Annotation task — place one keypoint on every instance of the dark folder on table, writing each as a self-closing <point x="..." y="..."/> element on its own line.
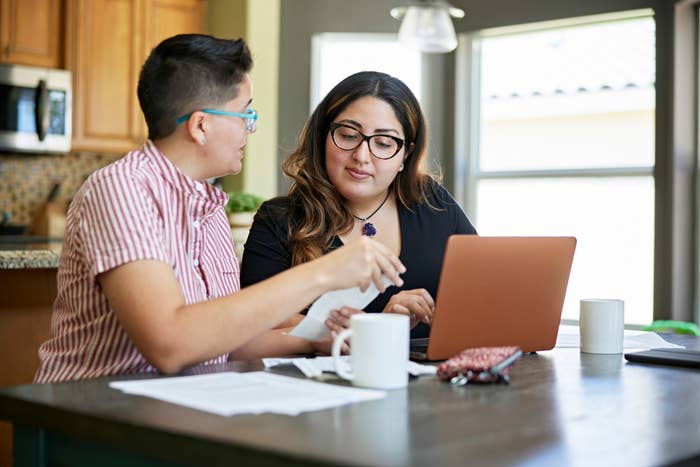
<point x="498" y="291"/>
<point x="674" y="357"/>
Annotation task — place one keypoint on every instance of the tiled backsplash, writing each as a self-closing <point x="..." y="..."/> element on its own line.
<point x="25" y="180"/>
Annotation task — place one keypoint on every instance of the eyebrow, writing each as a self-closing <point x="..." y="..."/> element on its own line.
<point x="359" y="126"/>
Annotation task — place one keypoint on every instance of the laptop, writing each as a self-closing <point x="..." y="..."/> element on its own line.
<point x="498" y="291"/>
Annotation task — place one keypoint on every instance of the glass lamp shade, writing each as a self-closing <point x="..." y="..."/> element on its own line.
<point x="428" y="29"/>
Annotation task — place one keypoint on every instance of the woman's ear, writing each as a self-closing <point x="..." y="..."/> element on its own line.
<point x="409" y="150"/>
<point x="407" y="153"/>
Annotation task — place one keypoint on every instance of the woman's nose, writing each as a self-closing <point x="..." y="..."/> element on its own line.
<point x="362" y="152"/>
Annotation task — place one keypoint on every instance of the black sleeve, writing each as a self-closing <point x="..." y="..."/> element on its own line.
<point x="266" y="251"/>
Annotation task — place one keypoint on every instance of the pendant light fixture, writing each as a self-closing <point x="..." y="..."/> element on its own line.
<point x="427" y="25"/>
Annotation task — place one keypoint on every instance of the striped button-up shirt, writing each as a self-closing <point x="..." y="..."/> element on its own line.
<point x="139" y="208"/>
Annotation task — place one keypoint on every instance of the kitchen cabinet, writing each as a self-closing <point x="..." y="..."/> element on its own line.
<point x="26" y="305"/>
<point x="31" y="32"/>
<point x="165" y="18"/>
<point x="107" y="42"/>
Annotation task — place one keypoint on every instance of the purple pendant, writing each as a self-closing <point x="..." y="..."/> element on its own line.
<point x="369" y="230"/>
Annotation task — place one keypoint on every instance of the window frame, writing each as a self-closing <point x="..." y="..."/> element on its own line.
<point x="676" y="255"/>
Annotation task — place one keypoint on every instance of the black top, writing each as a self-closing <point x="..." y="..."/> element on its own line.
<point x="424" y="233"/>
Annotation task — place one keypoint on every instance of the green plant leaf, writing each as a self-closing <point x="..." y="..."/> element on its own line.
<point x="242" y="202"/>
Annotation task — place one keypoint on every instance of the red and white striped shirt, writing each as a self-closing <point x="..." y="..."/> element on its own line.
<point x="141" y="207"/>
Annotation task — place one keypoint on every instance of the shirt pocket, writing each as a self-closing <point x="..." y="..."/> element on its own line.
<point x="226" y="276"/>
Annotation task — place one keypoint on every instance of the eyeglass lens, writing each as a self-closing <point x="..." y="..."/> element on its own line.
<point x="252" y="120"/>
<point x="381" y="146"/>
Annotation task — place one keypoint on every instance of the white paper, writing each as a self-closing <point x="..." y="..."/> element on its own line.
<point x="253" y="393"/>
<point x="314" y="367"/>
<point x="569" y="337"/>
<point x="313" y="327"/>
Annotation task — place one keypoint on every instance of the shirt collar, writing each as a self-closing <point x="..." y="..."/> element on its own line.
<point x="179" y="180"/>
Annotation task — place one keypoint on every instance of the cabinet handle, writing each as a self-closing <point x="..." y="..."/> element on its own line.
<point x="7" y="50"/>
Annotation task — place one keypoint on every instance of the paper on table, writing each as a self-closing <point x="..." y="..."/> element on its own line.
<point x="238" y="393"/>
<point x="569" y="336"/>
<point x="313" y="367"/>
<point x="312" y="327"/>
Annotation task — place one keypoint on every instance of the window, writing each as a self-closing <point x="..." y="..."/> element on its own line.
<point x="564" y="145"/>
<point x="336" y="56"/>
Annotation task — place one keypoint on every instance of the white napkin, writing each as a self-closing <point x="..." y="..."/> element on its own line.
<point x="314" y="367"/>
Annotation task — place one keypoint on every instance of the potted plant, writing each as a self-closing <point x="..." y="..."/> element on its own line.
<point x="240" y="209"/>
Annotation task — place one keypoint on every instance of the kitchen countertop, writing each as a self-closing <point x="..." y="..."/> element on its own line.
<point x="29" y="258"/>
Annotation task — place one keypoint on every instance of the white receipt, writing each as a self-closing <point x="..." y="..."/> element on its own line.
<point x="312" y="327"/>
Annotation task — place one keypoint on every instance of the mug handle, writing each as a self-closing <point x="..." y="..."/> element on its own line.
<point x="335" y="352"/>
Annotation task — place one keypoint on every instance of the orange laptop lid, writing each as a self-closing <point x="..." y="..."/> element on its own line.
<point x="500" y="291"/>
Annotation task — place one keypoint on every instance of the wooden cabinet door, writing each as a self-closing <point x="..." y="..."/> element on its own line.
<point x="165" y="18"/>
<point x="30" y="32"/>
<point x="108" y="42"/>
<point x="104" y="53"/>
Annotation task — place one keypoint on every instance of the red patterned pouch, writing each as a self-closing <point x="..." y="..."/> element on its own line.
<point x="479" y="365"/>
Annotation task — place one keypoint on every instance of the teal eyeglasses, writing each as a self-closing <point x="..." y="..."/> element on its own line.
<point x="250" y="117"/>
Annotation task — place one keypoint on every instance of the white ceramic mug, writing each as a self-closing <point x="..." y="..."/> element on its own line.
<point x="602" y="325"/>
<point x="378" y="353"/>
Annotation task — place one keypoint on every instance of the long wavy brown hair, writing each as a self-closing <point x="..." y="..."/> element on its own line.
<point x="317" y="212"/>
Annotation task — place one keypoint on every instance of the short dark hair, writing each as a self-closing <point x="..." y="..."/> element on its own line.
<point x="189" y="72"/>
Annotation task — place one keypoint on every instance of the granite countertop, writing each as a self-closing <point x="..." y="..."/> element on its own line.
<point x="28" y="259"/>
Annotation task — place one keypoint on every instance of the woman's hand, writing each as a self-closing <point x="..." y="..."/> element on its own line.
<point x="336" y="322"/>
<point x="340" y="319"/>
<point x="325" y="345"/>
<point x="361" y="262"/>
<point x="416" y="303"/>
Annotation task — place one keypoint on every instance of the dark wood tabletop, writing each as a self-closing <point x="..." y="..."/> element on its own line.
<point x="562" y="408"/>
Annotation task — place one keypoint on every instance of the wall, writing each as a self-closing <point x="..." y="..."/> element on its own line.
<point x="261" y="169"/>
<point x="257" y="21"/>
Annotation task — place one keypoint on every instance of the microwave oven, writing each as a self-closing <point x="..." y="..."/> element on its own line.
<point x="35" y="109"/>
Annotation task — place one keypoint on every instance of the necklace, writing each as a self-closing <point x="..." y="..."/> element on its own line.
<point x="368" y="228"/>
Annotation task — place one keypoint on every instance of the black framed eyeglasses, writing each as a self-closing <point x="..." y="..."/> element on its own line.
<point x="348" y="138"/>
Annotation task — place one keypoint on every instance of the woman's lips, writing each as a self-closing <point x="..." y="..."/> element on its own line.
<point x="358" y="174"/>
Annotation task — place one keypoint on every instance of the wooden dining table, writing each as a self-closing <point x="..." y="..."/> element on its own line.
<point x="562" y="408"/>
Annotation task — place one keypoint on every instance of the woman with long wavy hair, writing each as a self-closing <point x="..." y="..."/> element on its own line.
<point x="358" y="171"/>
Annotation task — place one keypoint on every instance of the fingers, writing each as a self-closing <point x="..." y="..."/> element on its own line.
<point x="377" y="279"/>
<point x="345" y="348"/>
<point x="426" y="296"/>
<point x="399" y="310"/>
<point x="361" y="263"/>
<point x="333" y="326"/>
<point x="402" y="310"/>
<point x="417" y="303"/>
<point x="389" y="264"/>
<point x="422" y="309"/>
<point x="340" y="319"/>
